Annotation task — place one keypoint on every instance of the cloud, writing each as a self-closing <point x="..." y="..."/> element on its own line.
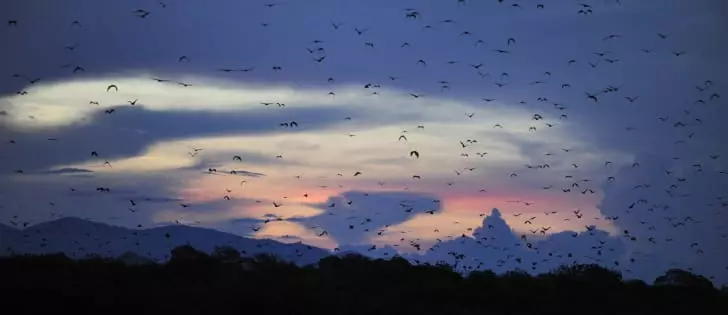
<point x="67" y="171"/>
<point x="354" y="217"/>
<point x="209" y="98"/>
<point x="158" y="136"/>
<point x="206" y="111"/>
<point x="494" y="245"/>
<point x="674" y="213"/>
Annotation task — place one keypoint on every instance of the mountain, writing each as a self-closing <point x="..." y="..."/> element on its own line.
<point x="79" y="238"/>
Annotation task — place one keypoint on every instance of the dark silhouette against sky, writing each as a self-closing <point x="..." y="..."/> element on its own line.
<point x="379" y="126"/>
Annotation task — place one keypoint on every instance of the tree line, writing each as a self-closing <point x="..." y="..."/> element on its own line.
<point x="225" y="282"/>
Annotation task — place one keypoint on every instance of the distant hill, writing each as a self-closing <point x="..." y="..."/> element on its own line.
<point x="78" y="238"/>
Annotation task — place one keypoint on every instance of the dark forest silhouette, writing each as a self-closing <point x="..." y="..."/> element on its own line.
<point x="225" y="282"/>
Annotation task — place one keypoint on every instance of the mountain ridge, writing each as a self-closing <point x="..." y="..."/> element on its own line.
<point x="79" y="238"/>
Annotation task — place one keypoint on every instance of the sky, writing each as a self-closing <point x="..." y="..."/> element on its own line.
<point x="347" y="124"/>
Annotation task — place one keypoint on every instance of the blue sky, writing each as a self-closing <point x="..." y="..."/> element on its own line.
<point x="645" y="157"/>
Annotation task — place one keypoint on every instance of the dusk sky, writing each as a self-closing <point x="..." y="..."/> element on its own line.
<point x="380" y="122"/>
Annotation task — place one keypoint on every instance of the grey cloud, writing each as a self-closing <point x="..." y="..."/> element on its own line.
<point x="52" y="196"/>
<point x="496" y="247"/>
<point x="245" y="173"/>
<point x="206" y="161"/>
<point x="676" y="218"/>
<point x="67" y="170"/>
<point x="369" y="213"/>
<point x="103" y="134"/>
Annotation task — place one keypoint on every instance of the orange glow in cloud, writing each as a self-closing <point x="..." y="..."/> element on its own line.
<point x="462" y="212"/>
<point x="259" y="195"/>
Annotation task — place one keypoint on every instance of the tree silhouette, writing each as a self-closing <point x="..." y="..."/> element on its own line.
<point x="682" y="278"/>
<point x="225" y="282"/>
<point x="227" y="255"/>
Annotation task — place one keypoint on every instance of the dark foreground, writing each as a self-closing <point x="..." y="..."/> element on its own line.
<point x="224" y="283"/>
